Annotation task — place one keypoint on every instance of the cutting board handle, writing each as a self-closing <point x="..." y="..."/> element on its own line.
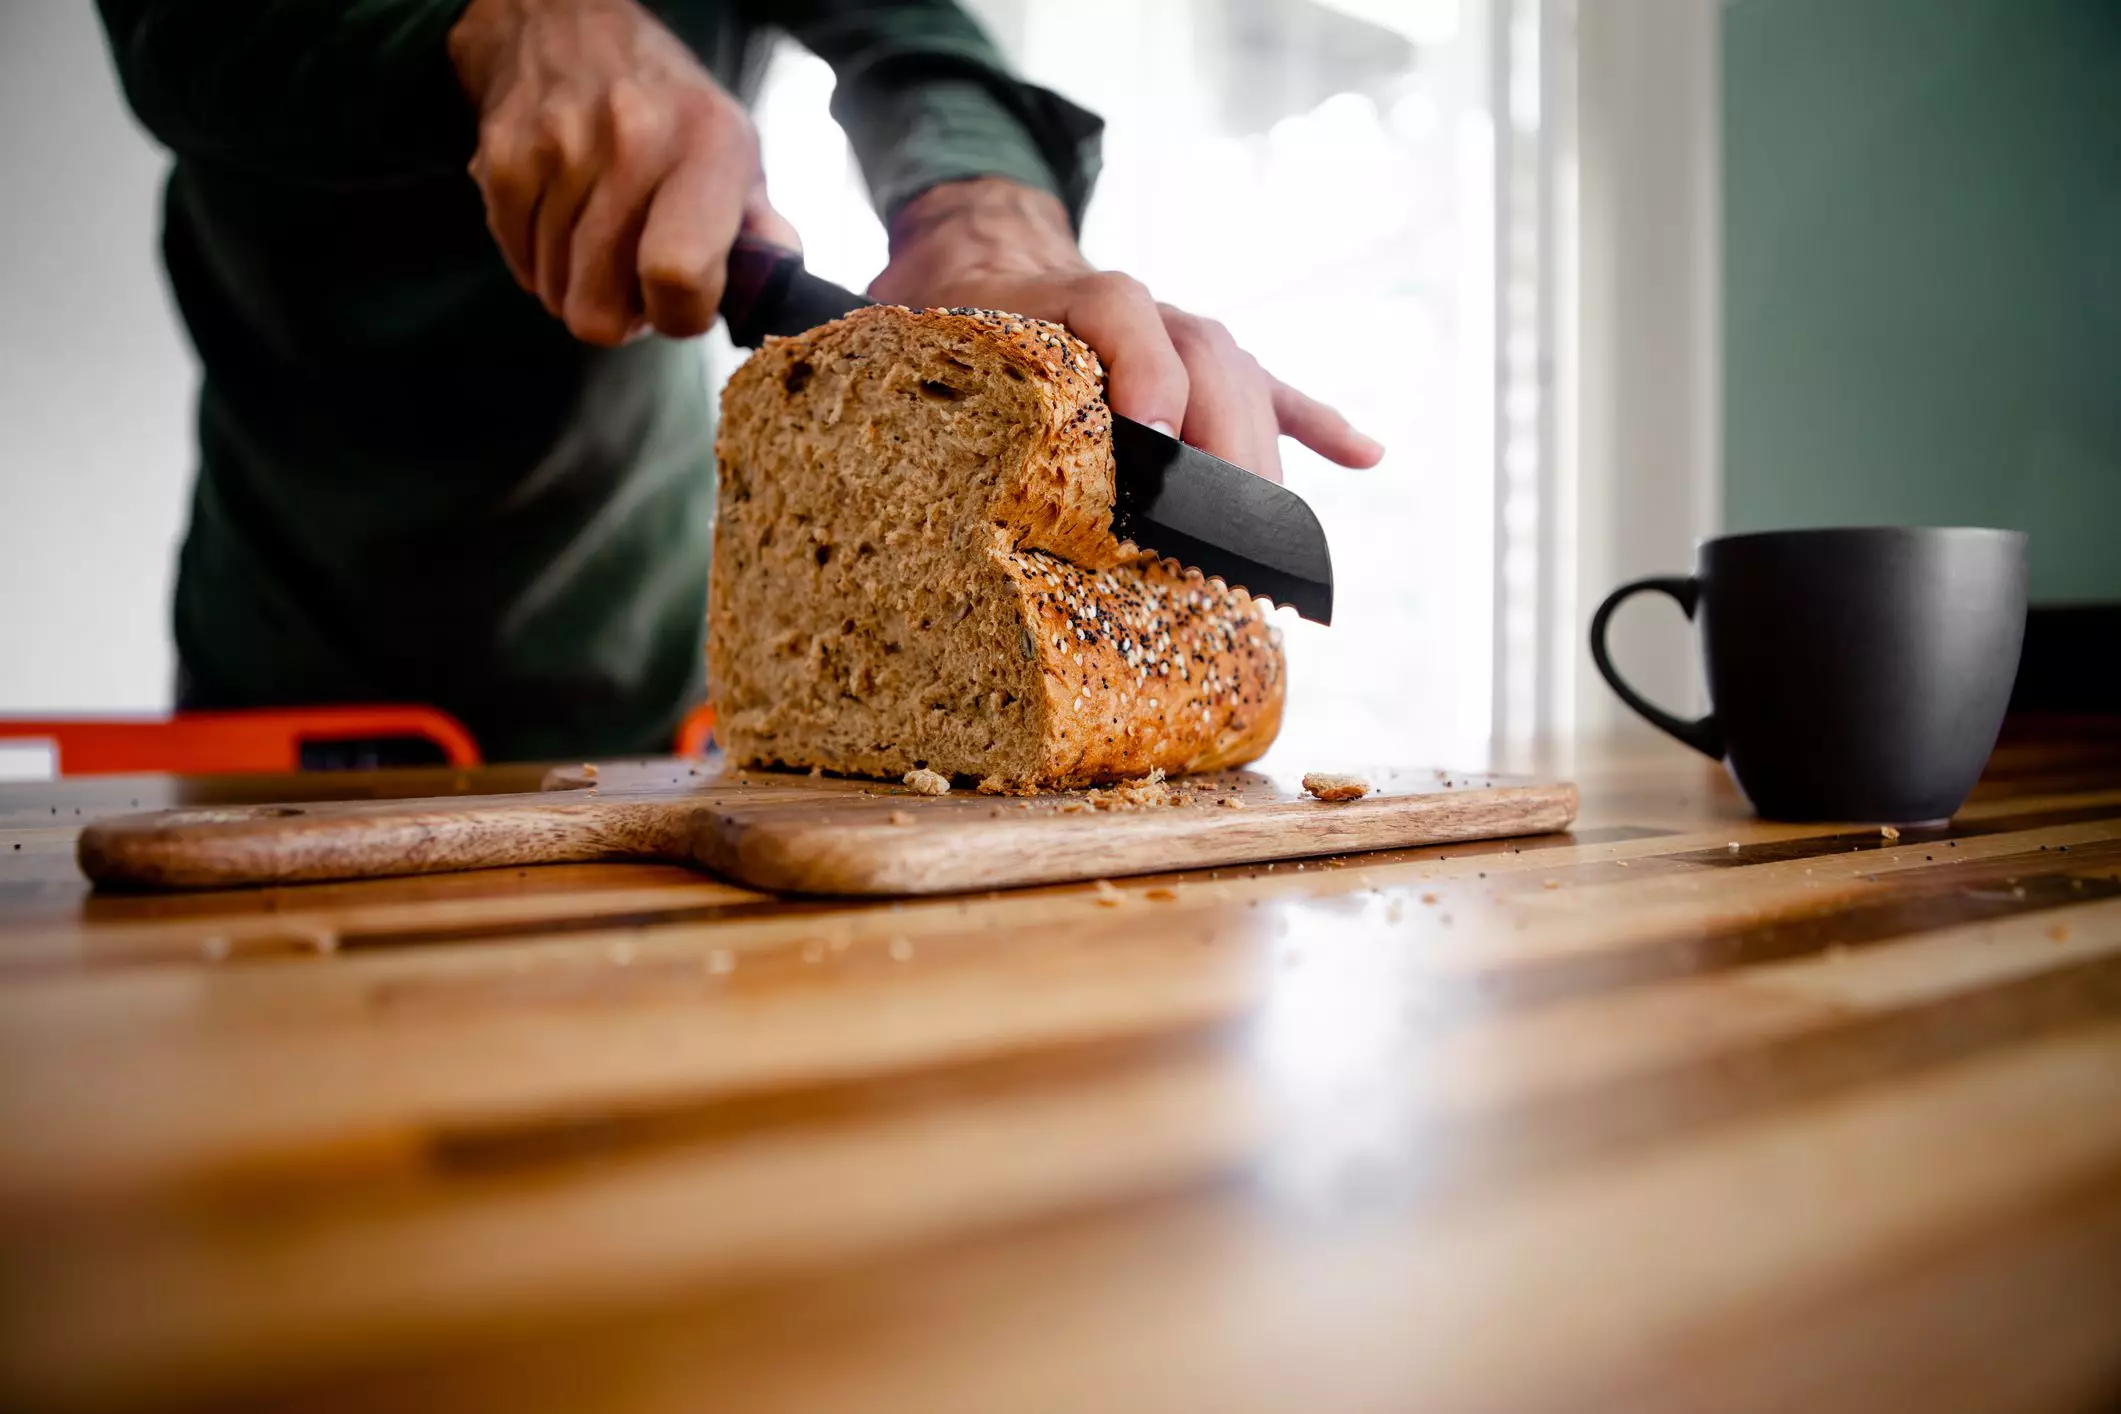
<point x="219" y="848"/>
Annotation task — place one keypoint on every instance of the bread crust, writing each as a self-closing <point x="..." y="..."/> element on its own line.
<point x="1139" y="664"/>
<point x="1147" y="666"/>
<point x="1057" y="497"/>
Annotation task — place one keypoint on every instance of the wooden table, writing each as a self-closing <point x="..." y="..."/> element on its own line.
<point x="1681" y="1111"/>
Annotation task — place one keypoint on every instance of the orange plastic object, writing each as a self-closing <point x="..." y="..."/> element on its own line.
<point x="264" y="739"/>
<point x="696" y="730"/>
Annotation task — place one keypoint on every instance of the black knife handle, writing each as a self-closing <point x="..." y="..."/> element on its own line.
<point x="757" y="283"/>
<point x="767" y="291"/>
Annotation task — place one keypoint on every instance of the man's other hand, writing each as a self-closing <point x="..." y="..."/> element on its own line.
<point x="998" y="245"/>
<point x="616" y="171"/>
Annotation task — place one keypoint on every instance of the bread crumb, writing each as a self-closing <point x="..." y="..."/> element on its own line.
<point x="1162" y="895"/>
<point x="817" y="773"/>
<point x="901" y="817"/>
<point x="1428" y="898"/>
<point x="2059" y="932"/>
<point x="1108" y="896"/>
<point x="1888" y="832"/>
<point x="1231" y="802"/>
<point x="1145" y="793"/>
<point x="927" y="782"/>
<point x="1551" y="884"/>
<point x="1328" y="786"/>
<point x="589" y="771"/>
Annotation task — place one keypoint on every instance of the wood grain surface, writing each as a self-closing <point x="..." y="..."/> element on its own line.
<point x="812" y="835"/>
<point x="1678" y="1111"/>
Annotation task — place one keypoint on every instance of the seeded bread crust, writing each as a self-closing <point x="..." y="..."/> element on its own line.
<point x="1146" y="666"/>
<point x="986" y="623"/>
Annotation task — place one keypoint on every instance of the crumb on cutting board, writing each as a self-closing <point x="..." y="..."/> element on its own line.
<point x="927" y="782"/>
<point x="901" y="817"/>
<point x="1108" y="894"/>
<point x="1329" y="785"/>
<point x="1143" y="793"/>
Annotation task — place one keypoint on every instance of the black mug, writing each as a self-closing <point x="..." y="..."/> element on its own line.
<point x="1853" y="674"/>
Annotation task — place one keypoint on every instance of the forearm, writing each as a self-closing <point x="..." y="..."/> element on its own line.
<point x="925" y="98"/>
<point x="982" y="226"/>
<point x="319" y="92"/>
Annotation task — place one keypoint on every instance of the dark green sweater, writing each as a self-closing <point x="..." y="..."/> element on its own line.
<point x="414" y="485"/>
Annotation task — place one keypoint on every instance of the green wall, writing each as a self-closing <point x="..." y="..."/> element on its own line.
<point x="1922" y="271"/>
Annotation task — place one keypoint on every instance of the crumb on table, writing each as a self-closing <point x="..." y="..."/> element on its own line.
<point x="1328" y="785"/>
<point x="1108" y="894"/>
<point x="927" y="782"/>
<point x="901" y="817"/>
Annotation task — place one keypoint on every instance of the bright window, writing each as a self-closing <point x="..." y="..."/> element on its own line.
<point x="1318" y="177"/>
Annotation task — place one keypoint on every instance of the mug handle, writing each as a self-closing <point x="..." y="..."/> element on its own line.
<point x="1702" y="734"/>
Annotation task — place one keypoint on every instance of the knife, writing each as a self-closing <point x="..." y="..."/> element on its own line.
<point x="1168" y="497"/>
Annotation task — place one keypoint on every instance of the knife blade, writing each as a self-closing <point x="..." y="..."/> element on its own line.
<point x="1168" y="497"/>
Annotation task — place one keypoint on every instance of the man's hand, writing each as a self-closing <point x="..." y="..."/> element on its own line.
<point x="616" y="171"/>
<point x="998" y="245"/>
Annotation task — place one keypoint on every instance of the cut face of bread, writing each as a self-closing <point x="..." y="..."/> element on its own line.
<point x="914" y="568"/>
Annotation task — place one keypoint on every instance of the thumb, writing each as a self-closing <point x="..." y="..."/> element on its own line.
<point x="767" y="224"/>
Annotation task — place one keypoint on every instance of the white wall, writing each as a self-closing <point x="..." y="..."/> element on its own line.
<point x="1646" y="359"/>
<point x="96" y="380"/>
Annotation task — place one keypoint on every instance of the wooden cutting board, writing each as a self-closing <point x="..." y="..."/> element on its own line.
<point x="800" y="834"/>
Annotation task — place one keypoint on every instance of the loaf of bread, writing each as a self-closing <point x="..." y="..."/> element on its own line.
<point x="914" y="567"/>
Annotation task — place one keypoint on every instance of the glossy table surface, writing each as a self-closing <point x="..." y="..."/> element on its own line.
<point x="1680" y="1111"/>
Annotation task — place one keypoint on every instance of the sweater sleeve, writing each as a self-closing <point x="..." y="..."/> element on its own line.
<point x="311" y="91"/>
<point x="926" y="98"/>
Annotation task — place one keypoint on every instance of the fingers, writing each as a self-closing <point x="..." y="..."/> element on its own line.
<point x="615" y="174"/>
<point x="1145" y="377"/>
<point x="684" y="248"/>
<point x="1228" y="412"/>
<point x="602" y="301"/>
<point x="509" y="168"/>
<point x="1322" y="429"/>
<point x="569" y="160"/>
